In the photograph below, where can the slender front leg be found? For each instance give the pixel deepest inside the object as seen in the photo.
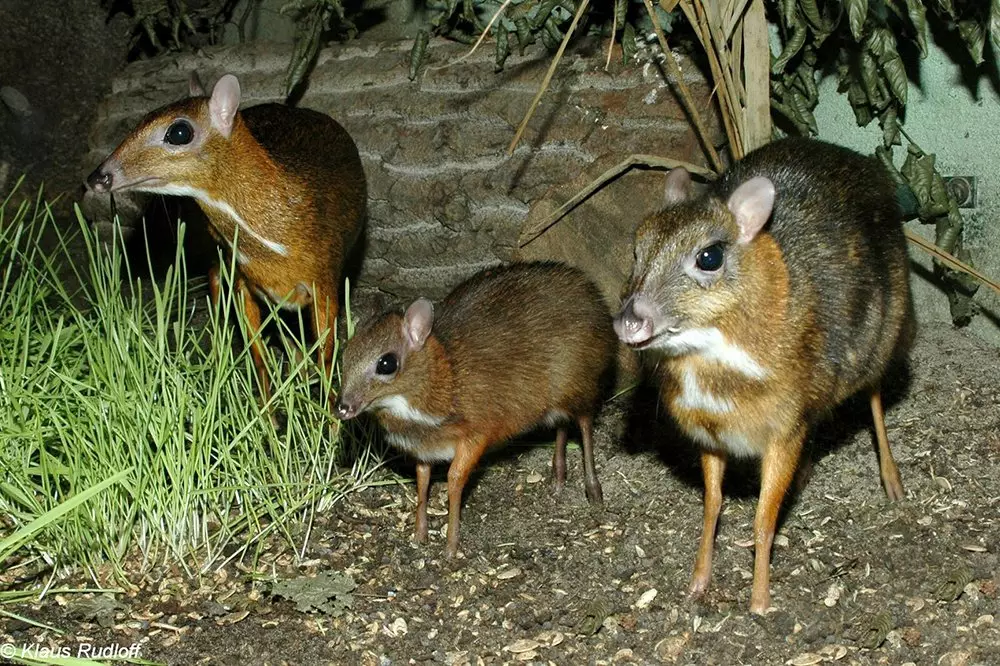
(214, 285)
(713, 468)
(777, 471)
(887, 464)
(559, 461)
(467, 454)
(423, 494)
(253, 336)
(594, 493)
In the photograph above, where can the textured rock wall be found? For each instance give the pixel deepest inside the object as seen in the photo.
(445, 197)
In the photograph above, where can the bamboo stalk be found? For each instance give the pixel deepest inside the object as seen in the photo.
(548, 76)
(682, 89)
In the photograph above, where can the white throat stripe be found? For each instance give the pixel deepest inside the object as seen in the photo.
(205, 198)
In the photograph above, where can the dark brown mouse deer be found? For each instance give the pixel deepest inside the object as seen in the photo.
(509, 349)
(286, 185)
(767, 301)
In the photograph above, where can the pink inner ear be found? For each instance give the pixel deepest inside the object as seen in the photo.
(678, 186)
(224, 103)
(751, 204)
(417, 323)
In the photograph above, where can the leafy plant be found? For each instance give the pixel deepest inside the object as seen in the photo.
(163, 25)
(865, 36)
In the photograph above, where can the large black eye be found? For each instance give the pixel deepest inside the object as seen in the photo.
(710, 258)
(386, 364)
(179, 133)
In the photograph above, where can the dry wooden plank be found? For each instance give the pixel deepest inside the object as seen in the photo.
(756, 66)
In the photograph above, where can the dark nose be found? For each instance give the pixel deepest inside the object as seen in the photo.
(100, 181)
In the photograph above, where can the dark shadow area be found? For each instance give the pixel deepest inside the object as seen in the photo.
(650, 429)
(948, 40)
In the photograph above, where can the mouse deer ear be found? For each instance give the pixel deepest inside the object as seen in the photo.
(195, 88)
(751, 204)
(224, 103)
(678, 186)
(417, 323)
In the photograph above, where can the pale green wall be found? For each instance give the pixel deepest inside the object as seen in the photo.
(962, 128)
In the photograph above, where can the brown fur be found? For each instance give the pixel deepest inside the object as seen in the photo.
(293, 175)
(819, 300)
(508, 347)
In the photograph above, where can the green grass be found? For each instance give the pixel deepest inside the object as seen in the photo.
(112, 388)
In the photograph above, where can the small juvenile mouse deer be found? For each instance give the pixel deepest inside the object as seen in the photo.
(289, 180)
(769, 300)
(509, 349)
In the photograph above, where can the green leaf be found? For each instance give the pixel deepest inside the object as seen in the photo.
(895, 73)
(794, 45)
(890, 127)
(811, 12)
(503, 46)
(418, 52)
(948, 7)
(995, 24)
(788, 8)
(804, 109)
(918, 16)
(975, 38)
(629, 48)
(857, 12)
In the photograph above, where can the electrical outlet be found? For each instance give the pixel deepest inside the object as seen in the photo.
(962, 189)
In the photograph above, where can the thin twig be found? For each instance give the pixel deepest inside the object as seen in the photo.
(548, 76)
(602, 180)
(611, 42)
(950, 260)
(682, 89)
(479, 41)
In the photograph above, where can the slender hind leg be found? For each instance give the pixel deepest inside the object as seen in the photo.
(253, 336)
(423, 494)
(594, 493)
(713, 467)
(886, 463)
(325, 309)
(559, 461)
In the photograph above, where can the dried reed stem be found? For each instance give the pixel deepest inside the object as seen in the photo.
(601, 181)
(548, 76)
(682, 89)
(950, 259)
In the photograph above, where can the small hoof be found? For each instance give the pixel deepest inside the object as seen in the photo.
(760, 607)
(698, 587)
(558, 487)
(594, 494)
(895, 493)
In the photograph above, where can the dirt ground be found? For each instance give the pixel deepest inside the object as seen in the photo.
(548, 580)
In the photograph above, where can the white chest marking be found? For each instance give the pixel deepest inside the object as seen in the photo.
(693, 397)
(205, 198)
(417, 450)
(712, 345)
(733, 443)
(399, 407)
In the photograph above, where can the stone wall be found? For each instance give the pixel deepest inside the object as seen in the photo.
(445, 197)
